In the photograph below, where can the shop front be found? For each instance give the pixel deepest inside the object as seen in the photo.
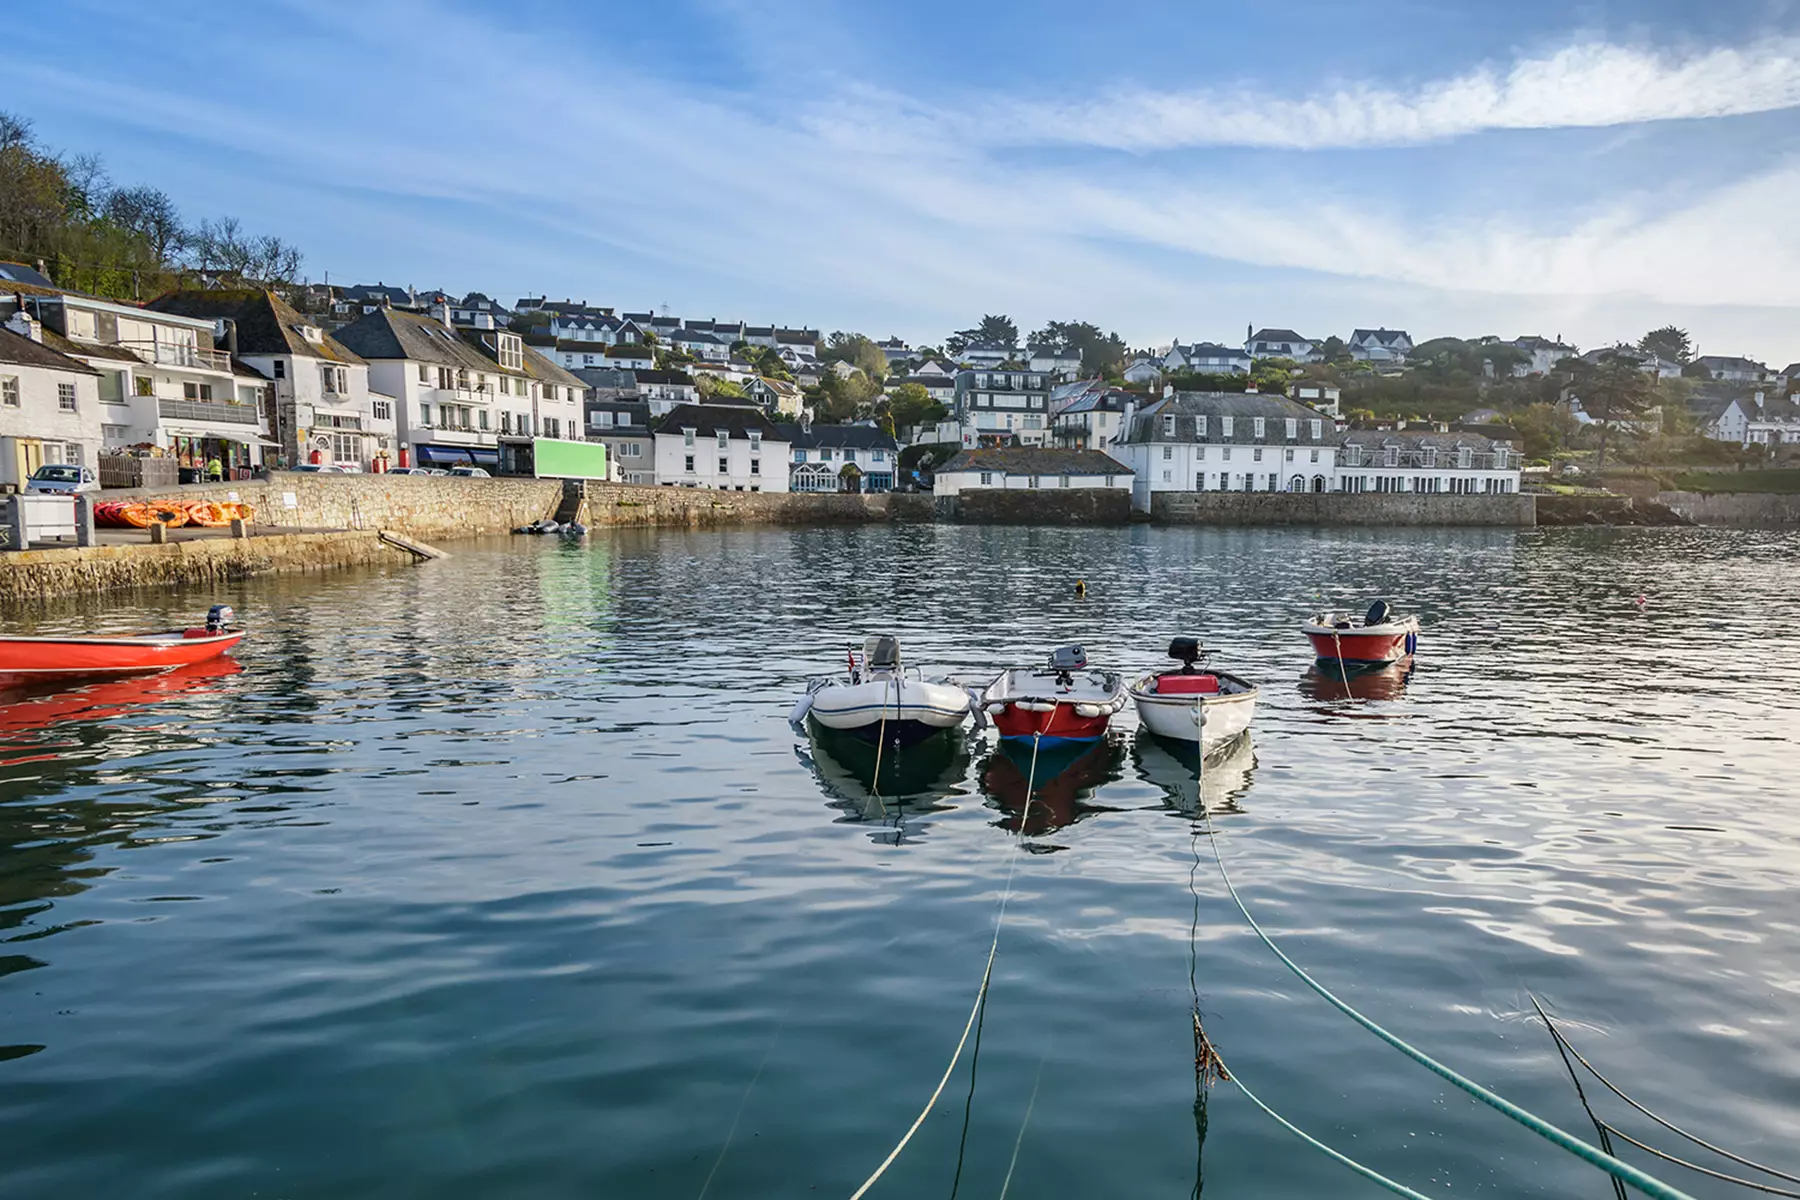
(239, 456)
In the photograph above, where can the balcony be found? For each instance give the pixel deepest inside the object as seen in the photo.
(166, 354)
(200, 410)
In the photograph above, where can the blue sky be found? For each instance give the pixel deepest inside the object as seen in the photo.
(1167, 170)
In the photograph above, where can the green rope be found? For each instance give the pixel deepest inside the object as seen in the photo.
(1648, 1184)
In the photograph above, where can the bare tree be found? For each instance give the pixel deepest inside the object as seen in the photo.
(15, 131)
(87, 186)
(223, 252)
(149, 213)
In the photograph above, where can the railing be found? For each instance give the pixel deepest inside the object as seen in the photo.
(200, 410)
(169, 354)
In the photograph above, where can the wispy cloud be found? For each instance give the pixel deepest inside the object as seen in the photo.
(1590, 84)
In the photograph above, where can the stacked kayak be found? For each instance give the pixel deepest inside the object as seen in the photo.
(141, 514)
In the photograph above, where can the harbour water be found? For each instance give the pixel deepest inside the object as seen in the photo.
(505, 876)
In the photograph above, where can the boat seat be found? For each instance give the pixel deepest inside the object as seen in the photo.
(1187, 685)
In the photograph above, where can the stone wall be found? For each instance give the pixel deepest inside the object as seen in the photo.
(1039, 506)
(28, 577)
(1757, 509)
(1337, 508)
(626, 504)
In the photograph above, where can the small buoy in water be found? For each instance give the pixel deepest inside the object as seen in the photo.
(1080, 589)
(1642, 600)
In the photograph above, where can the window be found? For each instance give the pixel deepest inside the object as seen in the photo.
(603, 420)
(1428, 456)
(687, 439)
(724, 439)
(1200, 425)
(65, 397)
(1065, 481)
(484, 418)
(724, 466)
(332, 379)
(550, 391)
(143, 385)
(689, 467)
(1315, 456)
(424, 414)
(1290, 456)
(462, 377)
(444, 379)
(1199, 481)
(280, 366)
(1256, 454)
(1317, 430)
(1225, 426)
(799, 455)
(1200, 454)
(879, 455)
(1225, 454)
(987, 478)
(1392, 456)
(197, 391)
(1168, 475)
(756, 439)
(1109, 481)
(1169, 425)
(1168, 453)
(1034, 481)
(756, 466)
(505, 422)
(424, 373)
(512, 352)
(9, 390)
(631, 450)
(1257, 424)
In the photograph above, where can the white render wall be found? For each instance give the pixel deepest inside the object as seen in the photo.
(40, 416)
(772, 458)
(950, 483)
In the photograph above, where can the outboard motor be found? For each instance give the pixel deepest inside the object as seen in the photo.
(219, 618)
(881, 653)
(1187, 652)
(1065, 660)
(1378, 614)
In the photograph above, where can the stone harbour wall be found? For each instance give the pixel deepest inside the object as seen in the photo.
(1337, 508)
(627, 504)
(1751, 509)
(28, 577)
(1036, 506)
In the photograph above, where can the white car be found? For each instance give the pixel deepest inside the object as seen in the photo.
(470, 473)
(61, 479)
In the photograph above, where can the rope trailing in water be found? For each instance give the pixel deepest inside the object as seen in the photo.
(1682, 1162)
(1593, 1155)
(987, 976)
(1581, 1095)
(1563, 1044)
(880, 743)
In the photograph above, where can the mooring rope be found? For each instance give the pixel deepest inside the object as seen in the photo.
(1644, 1182)
(987, 975)
(1029, 1106)
(880, 744)
(739, 1114)
(1682, 1162)
(1564, 1043)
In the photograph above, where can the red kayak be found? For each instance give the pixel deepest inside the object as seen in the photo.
(29, 660)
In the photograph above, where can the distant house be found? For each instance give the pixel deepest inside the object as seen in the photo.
(624, 427)
(1380, 345)
(1771, 422)
(1030, 468)
(1280, 343)
(701, 344)
(989, 354)
(778, 397)
(1143, 369)
(1650, 364)
(725, 447)
(760, 335)
(898, 353)
(1721, 418)
(667, 388)
(840, 458)
(941, 388)
(477, 311)
(1542, 354)
(1726, 369)
(529, 304)
(49, 404)
(935, 366)
(996, 407)
(1060, 361)
(1208, 358)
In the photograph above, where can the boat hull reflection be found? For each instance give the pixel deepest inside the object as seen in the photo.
(912, 779)
(1175, 768)
(25, 710)
(1327, 682)
(1058, 789)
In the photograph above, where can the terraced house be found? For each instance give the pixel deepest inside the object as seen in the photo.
(1428, 460)
(1227, 441)
(995, 406)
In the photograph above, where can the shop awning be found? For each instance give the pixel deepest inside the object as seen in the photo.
(450, 456)
(248, 437)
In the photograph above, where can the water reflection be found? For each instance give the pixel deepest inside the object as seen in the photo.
(1175, 767)
(1329, 684)
(913, 781)
(32, 710)
(1060, 785)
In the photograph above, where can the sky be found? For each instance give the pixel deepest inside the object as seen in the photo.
(1171, 171)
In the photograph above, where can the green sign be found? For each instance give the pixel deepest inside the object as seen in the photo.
(558, 459)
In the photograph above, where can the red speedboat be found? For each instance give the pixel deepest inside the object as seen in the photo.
(1060, 703)
(29, 660)
(1340, 640)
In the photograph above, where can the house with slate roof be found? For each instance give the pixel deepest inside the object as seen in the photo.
(778, 397)
(1209, 358)
(1542, 354)
(840, 458)
(324, 410)
(1226, 442)
(1428, 460)
(1380, 345)
(1087, 415)
(1730, 369)
(1030, 468)
(625, 428)
(725, 447)
(1000, 406)
(1060, 362)
(1280, 343)
(49, 404)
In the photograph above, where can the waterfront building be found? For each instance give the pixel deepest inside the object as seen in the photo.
(1208, 358)
(726, 447)
(1380, 345)
(1226, 441)
(456, 391)
(840, 458)
(1002, 406)
(1432, 460)
(49, 404)
(1015, 468)
(164, 381)
(1091, 417)
(624, 427)
(323, 410)
(1280, 343)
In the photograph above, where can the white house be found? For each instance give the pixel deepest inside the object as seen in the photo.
(998, 406)
(725, 447)
(1380, 345)
(1208, 358)
(1227, 441)
(49, 404)
(1016, 468)
(702, 345)
(1093, 419)
(459, 390)
(163, 382)
(1143, 369)
(323, 409)
(1771, 422)
(1723, 419)
(1407, 460)
(1542, 354)
(840, 458)
(1729, 369)
(1060, 362)
(989, 354)
(1280, 343)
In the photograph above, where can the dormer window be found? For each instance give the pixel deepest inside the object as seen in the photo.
(1169, 425)
(1257, 424)
(1200, 426)
(1225, 424)
(724, 439)
(687, 438)
(1317, 430)
(1293, 428)
(511, 350)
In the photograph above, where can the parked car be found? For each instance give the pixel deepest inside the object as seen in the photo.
(61, 479)
(409, 471)
(321, 469)
(434, 470)
(469, 473)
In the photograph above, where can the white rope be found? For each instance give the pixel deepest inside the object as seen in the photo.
(987, 975)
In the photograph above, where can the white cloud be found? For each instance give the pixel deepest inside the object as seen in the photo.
(1591, 84)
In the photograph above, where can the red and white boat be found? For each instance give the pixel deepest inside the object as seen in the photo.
(1063, 702)
(30, 660)
(1340, 640)
(1194, 703)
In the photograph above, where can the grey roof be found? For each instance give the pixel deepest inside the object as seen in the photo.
(614, 378)
(767, 331)
(1791, 370)
(1210, 350)
(1533, 342)
(265, 323)
(16, 348)
(1714, 362)
(1385, 337)
(1042, 350)
(928, 382)
(991, 348)
(697, 337)
(1418, 439)
(707, 420)
(1107, 401)
(855, 437)
(386, 333)
(660, 376)
(1242, 407)
(637, 413)
(1277, 335)
(16, 272)
(1030, 460)
(377, 291)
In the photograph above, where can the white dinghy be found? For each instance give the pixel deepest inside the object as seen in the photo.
(879, 700)
(1194, 705)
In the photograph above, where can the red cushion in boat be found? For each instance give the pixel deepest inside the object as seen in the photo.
(1187, 685)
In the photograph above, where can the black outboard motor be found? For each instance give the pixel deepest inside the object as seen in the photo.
(219, 618)
(1379, 613)
(1187, 652)
(882, 653)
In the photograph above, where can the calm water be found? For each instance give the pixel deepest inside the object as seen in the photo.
(506, 877)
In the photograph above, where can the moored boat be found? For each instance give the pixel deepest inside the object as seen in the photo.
(1340, 640)
(879, 700)
(1063, 701)
(31, 660)
(1194, 703)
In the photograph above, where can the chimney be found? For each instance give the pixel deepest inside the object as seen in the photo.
(1759, 400)
(442, 311)
(1251, 388)
(1125, 425)
(225, 334)
(24, 324)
